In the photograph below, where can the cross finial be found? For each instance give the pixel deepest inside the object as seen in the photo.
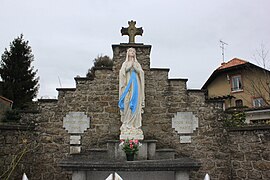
(131, 31)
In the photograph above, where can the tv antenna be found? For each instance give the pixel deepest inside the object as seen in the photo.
(59, 82)
(222, 48)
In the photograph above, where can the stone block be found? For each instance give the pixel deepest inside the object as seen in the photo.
(133, 136)
(111, 109)
(266, 155)
(185, 139)
(261, 165)
(143, 151)
(266, 175)
(181, 175)
(75, 139)
(246, 165)
(165, 154)
(209, 165)
(51, 147)
(241, 173)
(46, 139)
(75, 150)
(253, 156)
(98, 154)
(11, 140)
(151, 150)
(254, 175)
(79, 175)
(236, 164)
(102, 103)
(238, 156)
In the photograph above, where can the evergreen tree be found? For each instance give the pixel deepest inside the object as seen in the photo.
(99, 62)
(19, 82)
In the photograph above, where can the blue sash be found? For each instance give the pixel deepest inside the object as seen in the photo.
(134, 99)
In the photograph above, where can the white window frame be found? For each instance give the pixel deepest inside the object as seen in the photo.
(237, 85)
(258, 102)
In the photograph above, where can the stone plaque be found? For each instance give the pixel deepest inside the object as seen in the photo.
(75, 149)
(75, 139)
(185, 122)
(185, 139)
(76, 122)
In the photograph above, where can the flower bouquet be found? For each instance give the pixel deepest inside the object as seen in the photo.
(130, 147)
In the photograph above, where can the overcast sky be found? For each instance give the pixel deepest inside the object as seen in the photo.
(66, 35)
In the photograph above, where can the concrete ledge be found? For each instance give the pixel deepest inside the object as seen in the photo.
(146, 141)
(20, 127)
(196, 90)
(47, 100)
(139, 45)
(249, 128)
(65, 89)
(96, 154)
(165, 154)
(72, 164)
(29, 111)
(178, 79)
(103, 68)
(83, 79)
(96, 150)
(160, 69)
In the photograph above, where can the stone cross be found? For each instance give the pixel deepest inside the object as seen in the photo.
(131, 31)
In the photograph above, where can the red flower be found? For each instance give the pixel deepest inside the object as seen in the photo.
(129, 146)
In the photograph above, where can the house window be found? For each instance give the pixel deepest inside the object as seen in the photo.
(238, 103)
(258, 102)
(237, 83)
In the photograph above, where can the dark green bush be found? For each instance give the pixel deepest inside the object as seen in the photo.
(236, 119)
(12, 116)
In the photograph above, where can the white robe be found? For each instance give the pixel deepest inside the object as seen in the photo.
(131, 120)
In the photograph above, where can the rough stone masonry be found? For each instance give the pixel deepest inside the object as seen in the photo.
(218, 150)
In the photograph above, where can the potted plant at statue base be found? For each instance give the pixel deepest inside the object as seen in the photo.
(130, 157)
(130, 147)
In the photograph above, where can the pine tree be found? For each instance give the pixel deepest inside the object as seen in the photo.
(19, 82)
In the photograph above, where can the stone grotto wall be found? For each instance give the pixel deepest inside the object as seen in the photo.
(250, 152)
(15, 142)
(39, 146)
(210, 143)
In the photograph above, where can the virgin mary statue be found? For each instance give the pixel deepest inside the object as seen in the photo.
(131, 97)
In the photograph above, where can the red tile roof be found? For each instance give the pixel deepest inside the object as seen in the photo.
(231, 63)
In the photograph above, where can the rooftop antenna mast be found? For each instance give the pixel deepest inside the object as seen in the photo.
(59, 82)
(222, 48)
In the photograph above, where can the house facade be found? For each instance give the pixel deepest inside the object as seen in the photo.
(239, 83)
